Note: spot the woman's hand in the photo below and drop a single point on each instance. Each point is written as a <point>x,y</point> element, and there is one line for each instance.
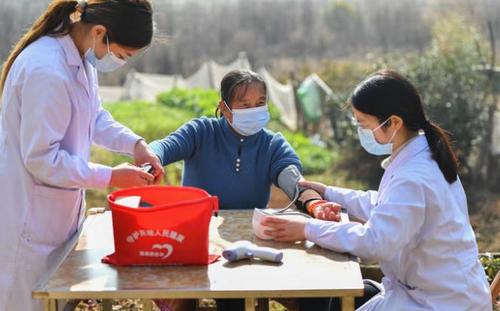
<point>126,175</point>
<point>143,155</point>
<point>327,211</point>
<point>316,186</point>
<point>285,229</point>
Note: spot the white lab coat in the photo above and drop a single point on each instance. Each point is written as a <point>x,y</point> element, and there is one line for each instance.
<point>51,114</point>
<point>418,229</point>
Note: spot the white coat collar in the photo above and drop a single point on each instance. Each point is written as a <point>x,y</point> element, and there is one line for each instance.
<point>73,58</point>
<point>412,148</point>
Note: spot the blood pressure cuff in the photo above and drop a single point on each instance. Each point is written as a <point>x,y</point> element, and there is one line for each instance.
<point>287,181</point>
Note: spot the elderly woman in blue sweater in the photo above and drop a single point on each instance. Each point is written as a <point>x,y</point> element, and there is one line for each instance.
<point>235,157</point>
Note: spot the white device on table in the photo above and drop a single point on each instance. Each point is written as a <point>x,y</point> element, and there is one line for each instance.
<point>246,249</point>
<point>259,215</point>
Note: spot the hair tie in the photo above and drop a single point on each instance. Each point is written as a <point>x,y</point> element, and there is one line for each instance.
<point>80,7</point>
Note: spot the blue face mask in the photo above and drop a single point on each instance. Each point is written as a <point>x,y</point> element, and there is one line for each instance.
<point>108,63</point>
<point>249,121</point>
<point>371,145</point>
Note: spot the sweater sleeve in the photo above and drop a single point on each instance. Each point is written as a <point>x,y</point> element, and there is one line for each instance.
<point>181,144</point>
<point>282,156</point>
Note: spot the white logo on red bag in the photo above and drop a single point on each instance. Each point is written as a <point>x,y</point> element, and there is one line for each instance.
<point>169,248</point>
<point>164,233</point>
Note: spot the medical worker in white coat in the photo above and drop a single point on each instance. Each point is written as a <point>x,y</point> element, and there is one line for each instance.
<point>417,225</point>
<point>50,116</point>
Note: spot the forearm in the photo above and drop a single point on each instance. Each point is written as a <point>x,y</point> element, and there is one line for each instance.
<point>306,198</point>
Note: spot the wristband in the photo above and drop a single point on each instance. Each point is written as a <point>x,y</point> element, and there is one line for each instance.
<point>310,208</point>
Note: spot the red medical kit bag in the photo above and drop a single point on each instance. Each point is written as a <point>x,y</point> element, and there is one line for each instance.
<point>170,226</point>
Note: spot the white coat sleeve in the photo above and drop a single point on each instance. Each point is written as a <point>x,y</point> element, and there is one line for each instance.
<point>112,135</point>
<point>46,112</point>
<point>393,224</point>
<point>357,203</point>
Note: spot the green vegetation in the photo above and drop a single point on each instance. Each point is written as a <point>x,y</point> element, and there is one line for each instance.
<point>491,264</point>
<point>197,101</point>
<point>315,159</point>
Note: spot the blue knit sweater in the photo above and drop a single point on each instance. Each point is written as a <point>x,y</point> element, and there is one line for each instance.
<point>239,170</point>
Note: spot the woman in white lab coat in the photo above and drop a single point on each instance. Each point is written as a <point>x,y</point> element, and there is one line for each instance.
<point>417,225</point>
<point>50,116</point>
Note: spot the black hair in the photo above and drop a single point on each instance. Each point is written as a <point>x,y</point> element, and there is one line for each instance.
<point>233,80</point>
<point>386,93</point>
<point>128,22</point>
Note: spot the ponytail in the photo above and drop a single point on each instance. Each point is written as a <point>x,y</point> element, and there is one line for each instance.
<point>54,21</point>
<point>442,153</point>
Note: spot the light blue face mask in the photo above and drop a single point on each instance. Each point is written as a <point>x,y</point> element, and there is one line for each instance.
<point>371,145</point>
<point>249,121</point>
<point>108,63</point>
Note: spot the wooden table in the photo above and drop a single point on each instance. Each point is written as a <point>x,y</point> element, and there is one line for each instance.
<point>306,271</point>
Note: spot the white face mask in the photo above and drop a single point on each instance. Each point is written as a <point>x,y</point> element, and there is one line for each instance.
<point>371,145</point>
<point>108,63</point>
<point>249,121</point>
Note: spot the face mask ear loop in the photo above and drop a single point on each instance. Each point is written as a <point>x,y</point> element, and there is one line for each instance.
<point>381,124</point>
<point>392,138</point>
<point>225,104</point>
<point>393,134</point>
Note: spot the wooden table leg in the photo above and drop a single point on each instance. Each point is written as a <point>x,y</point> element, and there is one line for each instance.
<point>50,305</point>
<point>107,305</point>
<point>249,304</point>
<point>147,305</point>
<point>347,303</point>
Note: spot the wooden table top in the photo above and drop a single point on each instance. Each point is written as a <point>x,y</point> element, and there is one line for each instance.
<point>306,271</point>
